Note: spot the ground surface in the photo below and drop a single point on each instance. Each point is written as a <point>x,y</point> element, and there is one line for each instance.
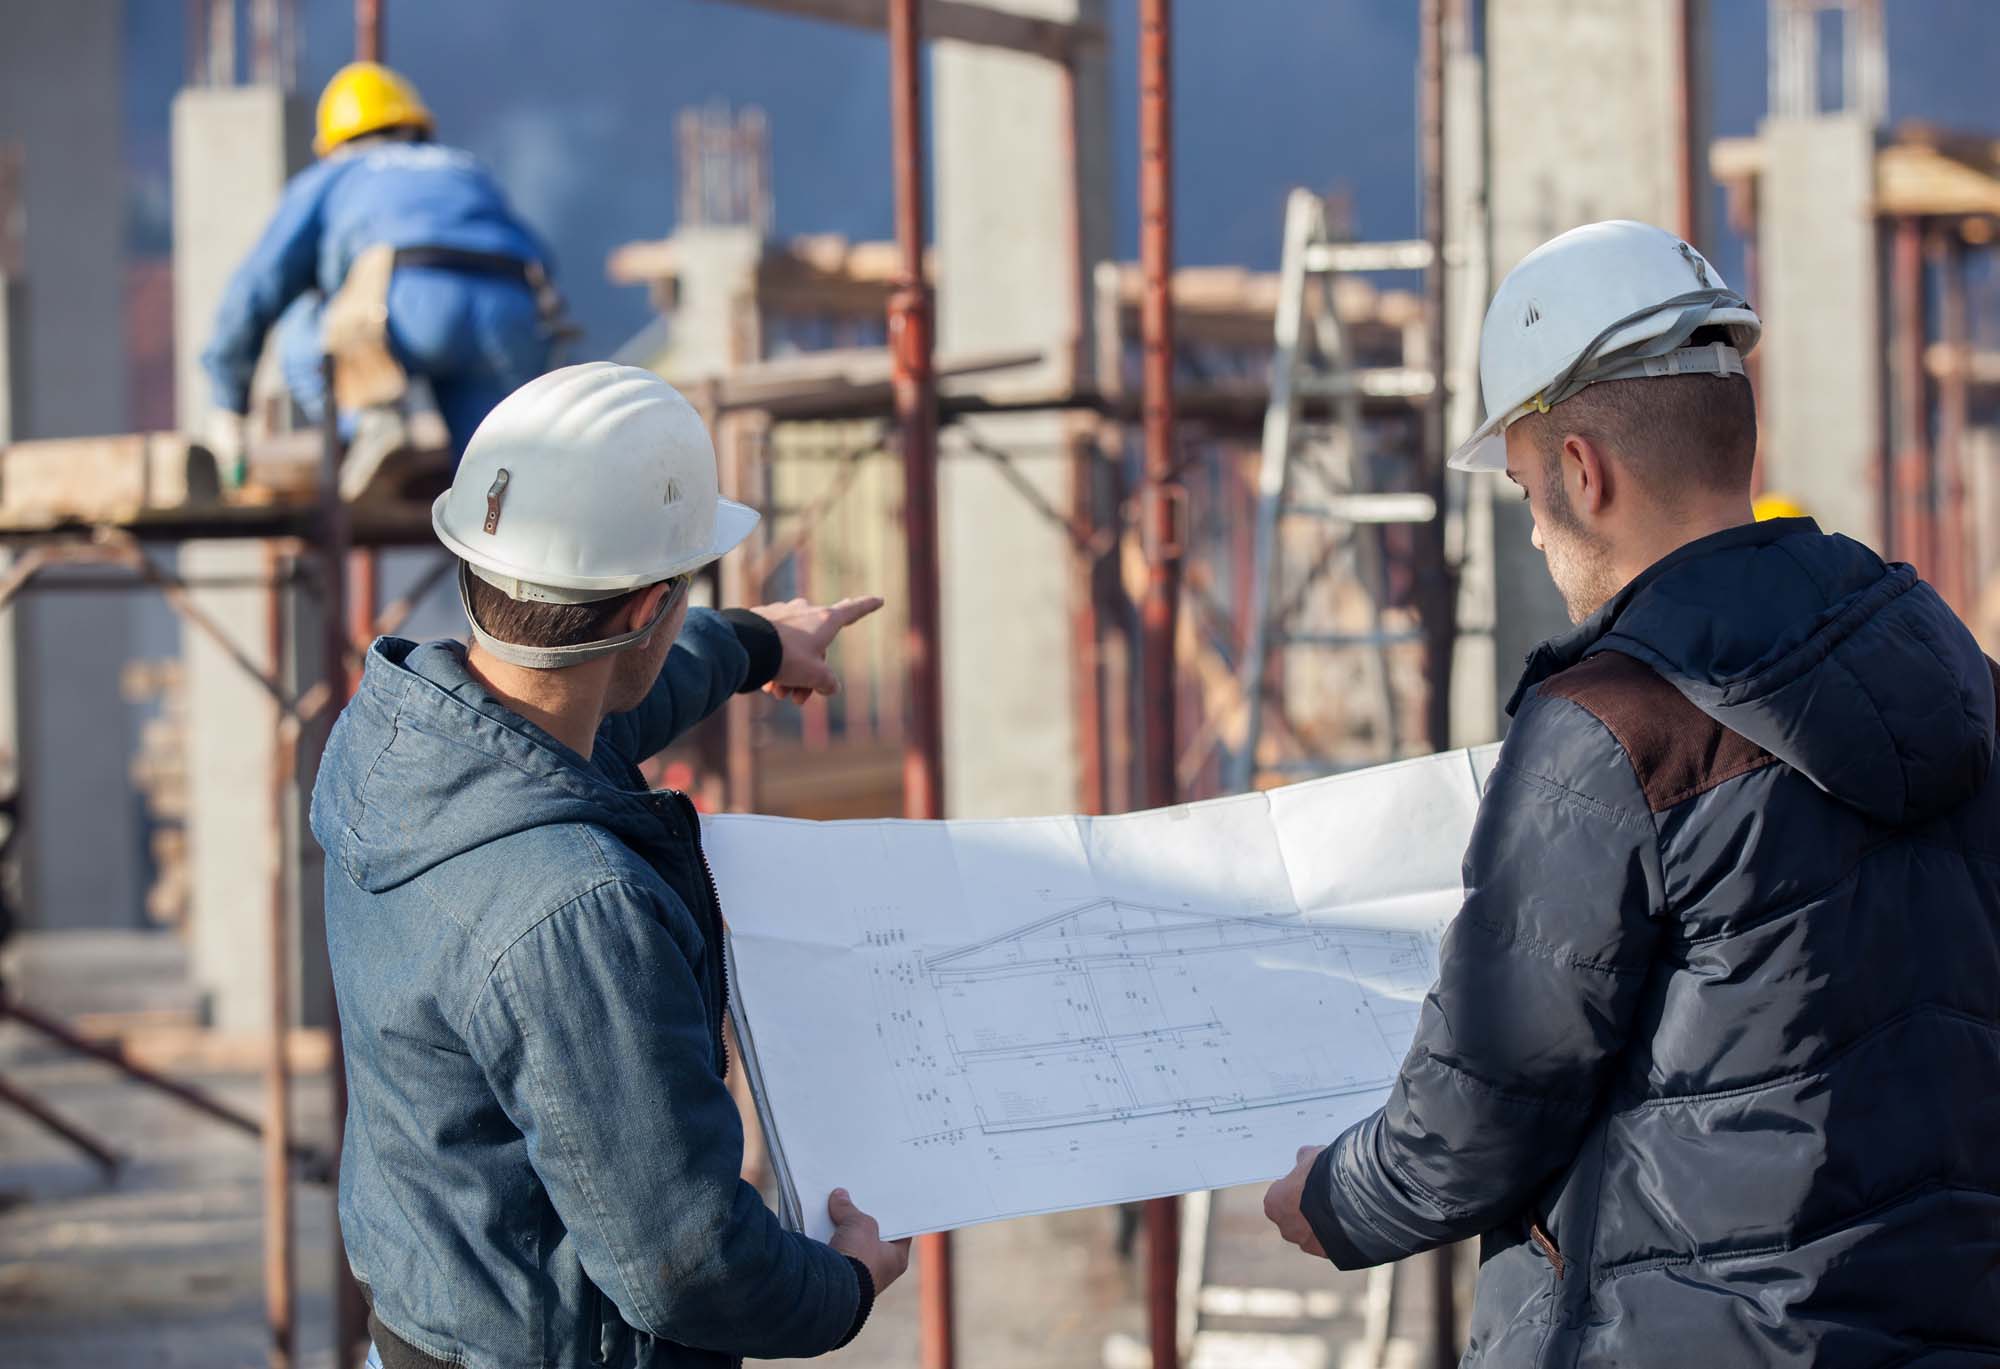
<point>163,1267</point>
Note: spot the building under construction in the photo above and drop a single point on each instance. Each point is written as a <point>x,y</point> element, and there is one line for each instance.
<point>1198,513</point>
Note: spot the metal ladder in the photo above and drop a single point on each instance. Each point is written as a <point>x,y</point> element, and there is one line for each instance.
<point>1293,599</point>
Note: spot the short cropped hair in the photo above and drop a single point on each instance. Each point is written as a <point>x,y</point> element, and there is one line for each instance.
<point>1675,433</point>
<point>542,625</point>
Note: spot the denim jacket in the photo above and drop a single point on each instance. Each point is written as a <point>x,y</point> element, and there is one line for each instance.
<point>540,1165</point>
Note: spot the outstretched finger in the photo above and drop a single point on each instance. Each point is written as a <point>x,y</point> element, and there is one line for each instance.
<point>850,611</point>
<point>841,1208</point>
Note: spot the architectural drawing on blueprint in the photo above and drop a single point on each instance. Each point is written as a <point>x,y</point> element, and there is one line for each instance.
<point>1113,1011</point>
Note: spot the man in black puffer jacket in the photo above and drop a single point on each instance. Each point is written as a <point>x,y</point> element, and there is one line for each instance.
<point>1713,1062</point>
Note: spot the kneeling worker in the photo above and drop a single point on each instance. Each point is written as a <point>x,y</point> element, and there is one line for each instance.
<point>396,255</point>
<point>541,1156</point>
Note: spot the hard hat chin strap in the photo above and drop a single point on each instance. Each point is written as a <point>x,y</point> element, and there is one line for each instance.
<point>1694,310</point>
<point>555,657</point>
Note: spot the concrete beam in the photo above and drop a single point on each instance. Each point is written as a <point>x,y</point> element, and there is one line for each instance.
<point>957,21</point>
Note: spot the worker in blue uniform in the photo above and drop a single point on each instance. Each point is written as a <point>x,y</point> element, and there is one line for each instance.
<point>398,257</point>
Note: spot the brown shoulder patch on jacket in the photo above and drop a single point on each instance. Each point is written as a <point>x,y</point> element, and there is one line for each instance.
<point>1676,750</point>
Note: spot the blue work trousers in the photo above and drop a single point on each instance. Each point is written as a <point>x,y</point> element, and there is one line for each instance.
<point>476,338</point>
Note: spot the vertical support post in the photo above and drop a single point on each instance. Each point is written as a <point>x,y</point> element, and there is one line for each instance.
<point>368,30</point>
<point>1085,630</point>
<point>1437,594</point>
<point>1742,209</point>
<point>1912,522</point>
<point>1688,151</point>
<point>350,1313</point>
<point>280,1273</point>
<point>910,342</point>
<point>364,601</point>
<point>1164,512</point>
<point>1953,575</point>
<point>264,67</point>
<point>1088,693</point>
<point>220,32</point>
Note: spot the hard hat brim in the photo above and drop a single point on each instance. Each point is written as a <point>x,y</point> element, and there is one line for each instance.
<point>1485,450</point>
<point>733,523</point>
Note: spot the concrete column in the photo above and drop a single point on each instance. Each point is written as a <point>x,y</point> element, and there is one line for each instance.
<point>1014,141</point>
<point>60,106</point>
<point>1584,113</point>
<point>234,148</point>
<point>1820,383</point>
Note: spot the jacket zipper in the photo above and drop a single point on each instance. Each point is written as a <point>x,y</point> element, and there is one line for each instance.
<point>1547,1245</point>
<point>716,949</point>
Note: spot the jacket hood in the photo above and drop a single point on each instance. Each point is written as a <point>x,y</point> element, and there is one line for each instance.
<point>1852,672</point>
<point>424,765</point>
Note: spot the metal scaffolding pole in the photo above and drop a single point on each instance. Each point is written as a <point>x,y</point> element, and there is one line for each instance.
<point>280,1244</point>
<point>1437,585</point>
<point>1164,513</point>
<point>910,343</point>
<point>367,30</point>
<point>1913,522</point>
<point>350,1313</point>
<point>1953,576</point>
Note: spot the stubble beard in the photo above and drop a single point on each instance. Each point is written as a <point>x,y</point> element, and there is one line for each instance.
<point>1579,560</point>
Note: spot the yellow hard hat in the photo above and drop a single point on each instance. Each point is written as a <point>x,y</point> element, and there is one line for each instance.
<point>366,97</point>
<point>1768,506</point>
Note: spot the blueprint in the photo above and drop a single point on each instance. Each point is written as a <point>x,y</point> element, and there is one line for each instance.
<point>977,1019</point>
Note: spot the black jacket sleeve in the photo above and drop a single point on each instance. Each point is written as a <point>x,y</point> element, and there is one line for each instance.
<point>1539,975</point>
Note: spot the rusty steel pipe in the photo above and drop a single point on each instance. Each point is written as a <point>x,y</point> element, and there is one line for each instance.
<point>280,1267</point>
<point>364,598</point>
<point>1954,575</point>
<point>1913,521</point>
<point>335,540</point>
<point>1436,588</point>
<point>1164,519</point>
<point>367,32</point>
<point>314,1164</point>
<point>1435,583</point>
<point>915,386</point>
<point>107,1160</point>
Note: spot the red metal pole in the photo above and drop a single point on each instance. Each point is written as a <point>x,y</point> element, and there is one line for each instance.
<point>368,30</point>
<point>1436,585</point>
<point>350,1313</point>
<point>1953,576</point>
<point>1164,502</point>
<point>916,419</point>
<point>1913,521</point>
<point>364,601</point>
<point>280,1273</point>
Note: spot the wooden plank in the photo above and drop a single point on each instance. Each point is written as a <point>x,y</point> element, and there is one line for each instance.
<point>960,21</point>
<point>105,478</point>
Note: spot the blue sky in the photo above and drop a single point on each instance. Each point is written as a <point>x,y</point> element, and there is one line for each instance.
<point>574,106</point>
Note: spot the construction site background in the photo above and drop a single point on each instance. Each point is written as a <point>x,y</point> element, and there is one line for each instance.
<point>715,181</point>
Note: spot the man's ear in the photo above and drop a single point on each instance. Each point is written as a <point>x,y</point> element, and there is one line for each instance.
<point>1585,474</point>
<point>644,606</point>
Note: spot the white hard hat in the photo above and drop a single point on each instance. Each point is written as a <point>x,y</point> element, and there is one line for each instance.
<point>587,482</point>
<point>1607,301</point>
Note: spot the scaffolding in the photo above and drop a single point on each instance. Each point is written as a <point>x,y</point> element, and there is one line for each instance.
<point>1160,529</point>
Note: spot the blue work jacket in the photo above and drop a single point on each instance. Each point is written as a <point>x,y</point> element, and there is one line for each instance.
<point>541,1158</point>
